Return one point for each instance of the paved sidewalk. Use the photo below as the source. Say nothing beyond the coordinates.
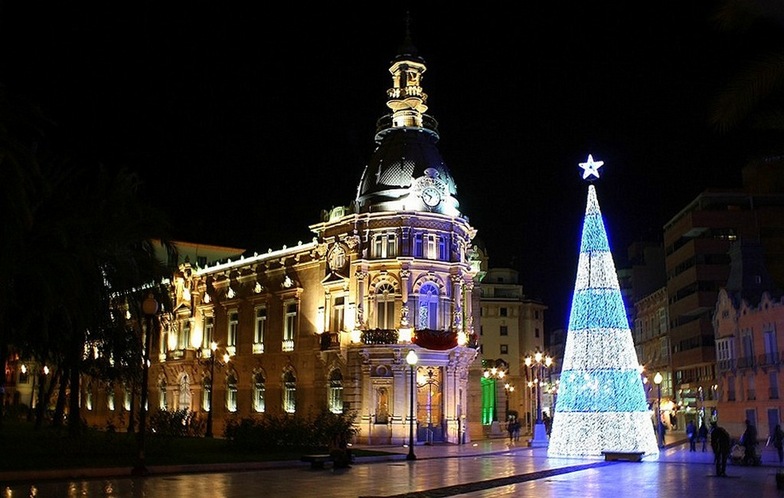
(486, 468)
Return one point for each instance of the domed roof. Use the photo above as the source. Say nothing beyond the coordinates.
(406, 171)
(402, 156)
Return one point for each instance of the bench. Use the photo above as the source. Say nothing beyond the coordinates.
(316, 461)
(631, 456)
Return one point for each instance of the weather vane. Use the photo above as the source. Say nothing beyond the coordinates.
(591, 168)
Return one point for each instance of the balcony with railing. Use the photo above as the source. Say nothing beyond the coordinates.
(379, 336)
(769, 359)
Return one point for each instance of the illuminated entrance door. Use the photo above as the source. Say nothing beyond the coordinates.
(430, 411)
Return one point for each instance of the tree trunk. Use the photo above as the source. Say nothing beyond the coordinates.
(59, 410)
(132, 411)
(74, 413)
(3, 360)
(40, 407)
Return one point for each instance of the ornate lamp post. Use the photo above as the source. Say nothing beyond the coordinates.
(411, 359)
(149, 308)
(657, 379)
(537, 363)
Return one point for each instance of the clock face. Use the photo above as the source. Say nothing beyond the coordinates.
(431, 196)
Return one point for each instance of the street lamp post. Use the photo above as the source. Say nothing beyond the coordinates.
(149, 308)
(657, 379)
(411, 359)
(509, 388)
(538, 362)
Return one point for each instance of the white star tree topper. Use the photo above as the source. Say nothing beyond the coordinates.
(591, 167)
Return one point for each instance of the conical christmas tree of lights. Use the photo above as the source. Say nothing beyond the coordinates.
(601, 403)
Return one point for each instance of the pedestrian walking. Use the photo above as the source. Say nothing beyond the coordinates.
(691, 433)
(720, 442)
(702, 435)
(513, 427)
(778, 442)
(749, 442)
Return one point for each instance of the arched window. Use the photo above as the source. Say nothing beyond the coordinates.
(427, 309)
(88, 395)
(289, 392)
(184, 398)
(335, 401)
(258, 392)
(385, 306)
(110, 397)
(231, 392)
(206, 400)
(382, 405)
(162, 395)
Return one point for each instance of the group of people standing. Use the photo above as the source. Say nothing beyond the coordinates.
(697, 435)
(722, 445)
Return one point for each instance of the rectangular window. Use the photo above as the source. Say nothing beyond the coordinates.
(385, 246)
(536, 333)
(391, 246)
(731, 389)
(234, 321)
(769, 337)
(259, 404)
(231, 395)
(385, 310)
(209, 325)
(773, 382)
(504, 330)
(289, 327)
(504, 349)
(184, 337)
(502, 311)
(662, 320)
(418, 245)
(442, 251)
(290, 397)
(336, 396)
(338, 315)
(260, 330)
(431, 247)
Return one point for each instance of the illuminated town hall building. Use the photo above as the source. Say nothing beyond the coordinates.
(328, 324)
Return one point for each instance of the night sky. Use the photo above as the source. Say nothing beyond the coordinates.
(244, 123)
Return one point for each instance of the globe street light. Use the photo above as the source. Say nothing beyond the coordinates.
(657, 379)
(411, 359)
(149, 308)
